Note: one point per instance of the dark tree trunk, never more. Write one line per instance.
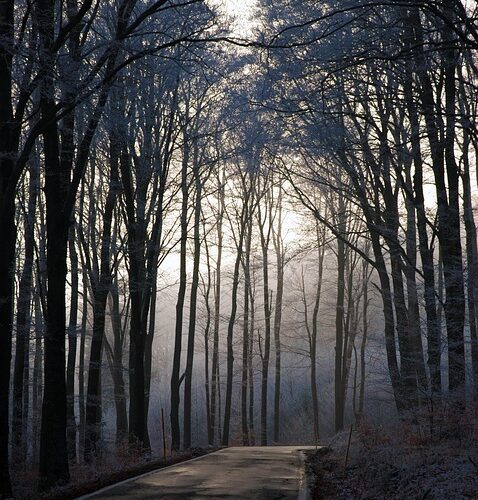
(265, 238)
(230, 349)
(315, 333)
(232, 318)
(37, 377)
(448, 205)
(101, 286)
(471, 242)
(72, 349)
(81, 367)
(175, 378)
(22, 351)
(192, 302)
(117, 374)
(7, 256)
(215, 419)
(8, 150)
(246, 335)
(339, 323)
(207, 333)
(53, 446)
(280, 257)
(450, 237)
(426, 253)
(252, 308)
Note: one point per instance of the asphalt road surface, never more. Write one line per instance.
(269, 472)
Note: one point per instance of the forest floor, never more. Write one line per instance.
(397, 464)
(86, 479)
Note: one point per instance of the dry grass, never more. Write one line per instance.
(86, 478)
(435, 456)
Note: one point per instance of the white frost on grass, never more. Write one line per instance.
(401, 464)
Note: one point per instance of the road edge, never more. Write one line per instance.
(304, 493)
(139, 476)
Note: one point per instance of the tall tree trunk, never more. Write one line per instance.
(193, 301)
(232, 318)
(426, 253)
(53, 446)
(22, 348)
(230, 346)
(246, 335)
(175, 378)
(339, 322)
(265, 238)
(101, 285)
(8, 150)
(207, 333)
(37, 377)
(136, 225)
(72, 349)
(448, 205)
(450, 237)
(280, 263)
(414, 328)
(217, 310)
(118, 379)
(148, 353)
(81, 366)
(365, 304)
(252, 308)
(471, 247)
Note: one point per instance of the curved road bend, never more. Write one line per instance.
(261, 472)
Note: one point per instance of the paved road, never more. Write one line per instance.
(274, 472)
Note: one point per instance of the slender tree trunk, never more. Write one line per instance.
(81, 367)
(101, 286)
(136, 226)
(22, 348)
(426, 254)
(252, 308)
(118, 379)
(365, 304)
(472, 255)
(314, 336)
(192, 303)
(265, 237)
(448, 204)
(148, 354)
(232, 319)
(37, 377)
(412, 296)
(175, 378)
(230, 349)
(450, 237)
(245, 336)
(8, 150)
(207, 333)
(72, 349)
(280, 257)
(217, 311)
(339, 323)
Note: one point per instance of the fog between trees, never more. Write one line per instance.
(267, 232)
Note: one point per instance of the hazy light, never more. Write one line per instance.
(242, 12)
